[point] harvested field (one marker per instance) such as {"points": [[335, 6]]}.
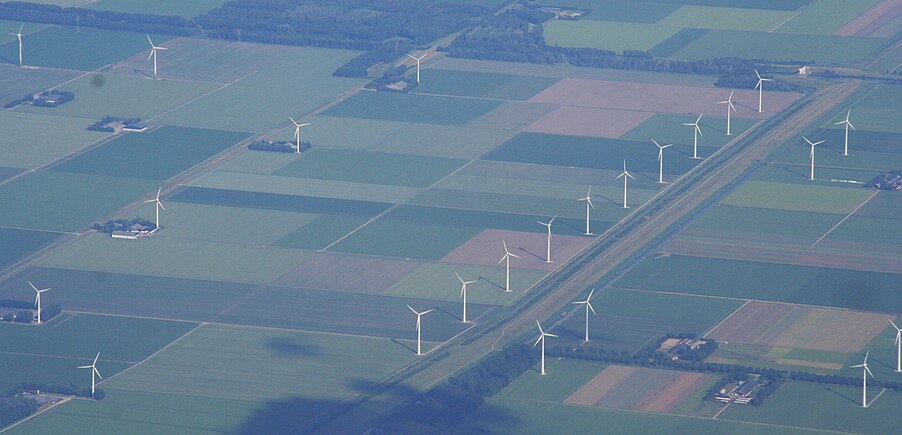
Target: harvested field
{"points": [[601, 385], [486, 249], [795, 326], [580, 121], [874, 22], [638, 389], [651, 97], [328, 271]]}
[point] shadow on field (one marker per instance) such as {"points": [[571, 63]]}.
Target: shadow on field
{"points": [[482, 278], [889, 365], [793, 171], [284, 416], [720, 129], [531, 253], [843, 395], [289, 349], [608, 200], [404, 345]]}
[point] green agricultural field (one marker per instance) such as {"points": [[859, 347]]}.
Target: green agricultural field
{"points": [[7, 27], [406, 239], [256, 162], [430, 109], [883, 357], [16, 243], [625, 10], [266, 98], [277, 381], [797, 197], [667, 128], [564, 376], [785, 47], [16, 82], [866, 291], [823, 17], [171, 150], [884, 205], [726, 219], [509, 185], [726, 18], [877, 119], [783, 358], [157, 256], [825, 407], [18, 368], [478, 84], [28, 142], [370, 168], [436, 281], [830, 155], [273, 201], [64, 201], [605, 35], [676, 42], [157, 7], [99, 94], [868, 229], [130, 295], [488, 219], [868, 141], [321, 232], [85, 49]]}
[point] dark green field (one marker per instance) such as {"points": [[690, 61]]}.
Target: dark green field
{"points": [[321, 232], [430, 109], [276, 201], [15, 82], [19, 368], [676, 42], [156, 155], [15, 243], [884, 205], [370, 167], [877, 142], [393, 238], [478, 84], [728, 218], [625, 10], [490, 219]]}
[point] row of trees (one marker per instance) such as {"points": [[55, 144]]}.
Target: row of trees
{"points": [[121, 225], [13, 409], [61, 389], [278, 146], [25, 314]]}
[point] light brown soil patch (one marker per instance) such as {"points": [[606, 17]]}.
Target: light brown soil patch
{"points": [[873, 20], [349, 273], [671, 393], [602, 384], [660, 98], [486, 249], [581, 121]]}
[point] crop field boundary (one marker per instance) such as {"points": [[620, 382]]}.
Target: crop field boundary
{"points": [[221, 87], [843, 220], [798, 12], [726, 318]]}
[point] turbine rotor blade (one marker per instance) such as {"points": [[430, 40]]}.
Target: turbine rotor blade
{"points": [[538, 340], [550, 335], [890, 321], [98, 373], [95, 359], [32, 286], [589, 304], [540, 327], [414, 311]]}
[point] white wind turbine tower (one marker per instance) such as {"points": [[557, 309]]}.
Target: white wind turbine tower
{"points": [[698, 132], [898, 344], [730, 108], [94, 372], [153, 54], [625, 174], [760, 88], [419, 326], [463, 293], [18, 35], [507, 258], [297, 133], [542, 335], [660, 160], [845, 151], [588, 200], [159, 205], [548, 251], [588, 305], [865, 371], [813, 144], [418, 59], [37, 298]]}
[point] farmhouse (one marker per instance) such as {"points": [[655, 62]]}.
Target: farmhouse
{"points": [[679, 347], [743, 392], [134, 126], [562, 13]]}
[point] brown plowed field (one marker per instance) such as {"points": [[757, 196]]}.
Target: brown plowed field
{"points": [[602, 384], [581, 121], [639, 389], [873, 22], [486, 249], [350, 273]]}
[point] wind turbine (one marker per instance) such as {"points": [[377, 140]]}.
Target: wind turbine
{"points": [[94, 372], [589, 307], [297, 132], [463, 293], [813, 144], [548, 251], [19, 36], [507, 258], [760, 88], [865, 371], [159, 205], [898, 347], [845, 151], [418, 59], [542, 335], [625, 174], [698, 132], [660, 161], [730, 107], [588, 200], [419, 324], [37, 298], [153, 54]]}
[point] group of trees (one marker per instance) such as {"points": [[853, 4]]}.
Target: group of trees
{"points": [[278, 146], [121, 225], [44, 99], [25, 314], [13, 409]]}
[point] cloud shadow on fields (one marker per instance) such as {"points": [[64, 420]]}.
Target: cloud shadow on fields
{"points": [[289, 349]]}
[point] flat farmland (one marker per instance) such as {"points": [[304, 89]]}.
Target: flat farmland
{"points": [[330, 271], [580, 121], [783, 358], [7, 27], [831, 156], [797, 197], [28, 143], [884, 205], [567, 227], [793, 326], [668, 128], [512, 116], [868, 141], [858, 290], [6, 172], [58, 370], [626, 10], [64, 201], [157, 7], [824, 17], [130, 295], [651, 97], [486, 248], [393, 238], [156, 256], [256, 162], [872, 230], [370, 168], [100, 94], [639, 389], [883, 354], [613, 35], [724, 221], [15, 82], [486, 85], [708, 17], [431, 109], [876, 119], [83, 49], [676, 42], [780, 47], [563, 377], [436, 281], [321, 231], [276, 201], [16, 243], [879, 21], [173, 150]]}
